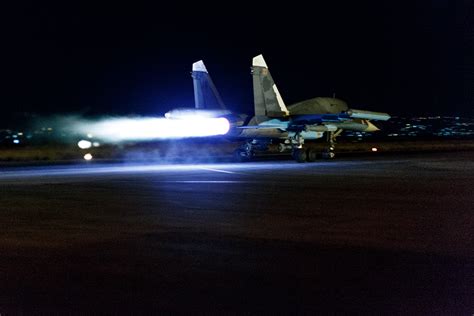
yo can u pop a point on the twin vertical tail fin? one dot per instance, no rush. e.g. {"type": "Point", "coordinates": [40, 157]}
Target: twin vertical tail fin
{"type": "Point", "coordinates": [206, 95]}
{"type": "Point", "coordinates": [268, 102]}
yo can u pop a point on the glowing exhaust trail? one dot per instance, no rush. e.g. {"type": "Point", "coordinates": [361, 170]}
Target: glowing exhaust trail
{"type": "Point", "coordinates": [123, 129]}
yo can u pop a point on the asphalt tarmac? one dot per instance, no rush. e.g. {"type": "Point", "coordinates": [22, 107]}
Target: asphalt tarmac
{"type": "Point", "coordinates": [389, 235]}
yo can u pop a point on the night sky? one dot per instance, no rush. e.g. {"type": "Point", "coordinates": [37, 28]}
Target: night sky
{"type": "Point", "coordinates": [405, 58]}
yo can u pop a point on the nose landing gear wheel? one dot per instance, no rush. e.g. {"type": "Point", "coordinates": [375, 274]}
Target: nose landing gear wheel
{"type": "Point", "coordinates": [329, 154]}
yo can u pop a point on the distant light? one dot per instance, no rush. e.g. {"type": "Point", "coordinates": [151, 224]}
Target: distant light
{"type": "Point", "coordinates": [88, 157]}
{"type": "Point", "coordinates": [16, 141]}
{"type": "Point", "coordinates": [84, 144]}
{"type": "Point", "coordinates": [20, 134]}
{"type": "Point", "coordinates": [374, 149]}
{"type": "Point", "coordinates": [90, 135]}
{"type": "Point", "coordinates": [95, 144]}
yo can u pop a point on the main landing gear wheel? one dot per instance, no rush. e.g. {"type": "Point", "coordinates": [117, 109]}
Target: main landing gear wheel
{"type": "Point", "coordinates": [311, 155]}
{"type": "Point", "coordinates": [299, 155]}
{"type": "Point", "coordinates": [241, 155]}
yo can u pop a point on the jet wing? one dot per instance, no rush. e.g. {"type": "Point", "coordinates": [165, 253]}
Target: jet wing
{"type": "Point", "coordinates": [270, 124]}
{"type": "Point", "coordinates": [368, 115]}
{"type": "Point", "coordinates": [320, 118]}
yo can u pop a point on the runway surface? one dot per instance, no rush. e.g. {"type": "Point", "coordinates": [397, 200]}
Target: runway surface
{"type": "Point", "coordinates": [391, 235]}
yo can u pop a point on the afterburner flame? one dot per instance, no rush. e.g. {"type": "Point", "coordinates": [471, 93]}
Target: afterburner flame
{"type": "Point", "coordinates": [122, 129]}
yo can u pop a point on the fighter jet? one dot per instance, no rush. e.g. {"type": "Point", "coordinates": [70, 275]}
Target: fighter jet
{"type": "Point", "coordinates": [273, 121]}
{"type": "Point", "coordinates": [305, 120]}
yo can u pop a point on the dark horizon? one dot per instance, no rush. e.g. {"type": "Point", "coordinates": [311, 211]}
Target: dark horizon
{"type": "Point", "coordinates": [404, 59]}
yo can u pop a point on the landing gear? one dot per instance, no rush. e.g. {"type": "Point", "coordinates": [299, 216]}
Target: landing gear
{"type": "Point", "coordinates": [328, 154]}
{"type": "Point", "coordinates": [299, 155]}
{"type": "Point", "coordinates": [302, 154]}
{"type": "Point", "coordinates": [331, 140]}
{"type": "Point", "coordinates": [295, 143]}
{"type": "Point", "coordinates": [311, 155]}
{"type": "Point", "coordinates": [298, 151]}
{"type": "Point", "coordinates": [246, 152]}
{"type": "Point", "coordinates": [305, 155]}
{"type": "Point", "coordinates": [241, 155]}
